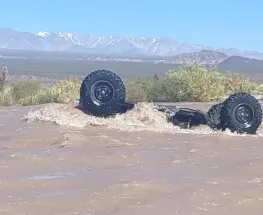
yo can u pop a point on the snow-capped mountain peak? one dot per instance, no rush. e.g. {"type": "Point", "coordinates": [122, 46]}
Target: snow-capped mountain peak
{"type": "Point", "coordinates": [120, 44]}
{"type": "Point", "coordinates": [93, 44]}
{"type": "Point", "coordinates": [43, 34]}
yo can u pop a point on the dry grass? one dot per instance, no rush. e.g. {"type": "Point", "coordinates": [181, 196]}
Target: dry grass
{"type": "Point", "coordinates": [189, 83]}
{"type": "Point", "coordinates": [33, 92]}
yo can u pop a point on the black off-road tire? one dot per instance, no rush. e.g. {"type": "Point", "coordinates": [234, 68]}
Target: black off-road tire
{"type": "Point", "coordinates": [102, 93]}
{"type": "Point", "coordinates": [241, 113]}
{"type": "Point", "coordinates": [214, 117]}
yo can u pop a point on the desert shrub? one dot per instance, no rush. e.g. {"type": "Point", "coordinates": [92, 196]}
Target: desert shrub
{"type": "Point", "coordinates": [234, 82]}
{"type": "Point", "coordinates": [194, 83]}
{"type": "Point", "coordinates": [39, 97]}
{"type": "Point", "coordinates": [189, 83]}
{"type": "Point", "coordinates": [24, 92]}
{"type": "Point", "coordinates": [145, 89]}
{"type": "Point", "coordinates": [64, 91]}
{"type": "Point", "coordinates": [135, 92]}
{"type": "Point", "coordinates": [258, 89]}
{"type": "Point", "coordinates": [6, 96]}
{"type": "Point", "coordinates": [29, 92]}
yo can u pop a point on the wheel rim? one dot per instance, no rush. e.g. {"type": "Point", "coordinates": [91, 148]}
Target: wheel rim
{"type": "Point", "coordinates": [244, 115]}
{"type": "Point", "coordinates": [102, 91]}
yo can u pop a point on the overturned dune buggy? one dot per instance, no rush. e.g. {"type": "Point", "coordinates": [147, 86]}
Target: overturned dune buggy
{"type": "Point", "coordinates": [102, 93]}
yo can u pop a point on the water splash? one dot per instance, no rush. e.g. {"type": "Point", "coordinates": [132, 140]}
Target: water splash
{"type": "Point", "coordinates": [143, 117]}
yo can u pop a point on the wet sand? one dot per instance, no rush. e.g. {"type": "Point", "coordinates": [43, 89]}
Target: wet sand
{"type": "Point", "coordinates": [59, 161]}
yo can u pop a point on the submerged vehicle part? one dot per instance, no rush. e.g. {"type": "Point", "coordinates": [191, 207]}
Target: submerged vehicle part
{"type": "Point", "coordinates": [102, 93]}
{"type": "Point", "coordinates": [184, 117]}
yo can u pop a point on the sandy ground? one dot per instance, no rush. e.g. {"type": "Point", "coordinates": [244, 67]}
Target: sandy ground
{"type": "Point", "coordinates": [55, 160]}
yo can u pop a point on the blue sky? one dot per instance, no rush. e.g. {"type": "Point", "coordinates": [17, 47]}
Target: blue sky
{"type": "Point", "coordinates": [233, 23]}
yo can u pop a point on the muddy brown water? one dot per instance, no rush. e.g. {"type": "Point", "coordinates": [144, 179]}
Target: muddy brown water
{"type": "Point", "coordinates": [55, 160]}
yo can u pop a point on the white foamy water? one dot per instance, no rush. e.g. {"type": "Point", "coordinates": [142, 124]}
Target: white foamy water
{"type": "Point", "coordinates": [143, 117]}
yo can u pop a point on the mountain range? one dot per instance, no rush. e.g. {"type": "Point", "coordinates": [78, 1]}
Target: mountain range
{"type": "Point", "coordinates": [119, 46]}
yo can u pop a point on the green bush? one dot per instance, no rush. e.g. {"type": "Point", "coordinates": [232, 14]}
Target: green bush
{"type": "Point", "coordinates": [65, 91]}
{"type": "Point", "coordinates": [194, 83]}
{"type": "Point", "coordinates": [236, 83]}
{"type": "Point", "coordinates": [189, 83]}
